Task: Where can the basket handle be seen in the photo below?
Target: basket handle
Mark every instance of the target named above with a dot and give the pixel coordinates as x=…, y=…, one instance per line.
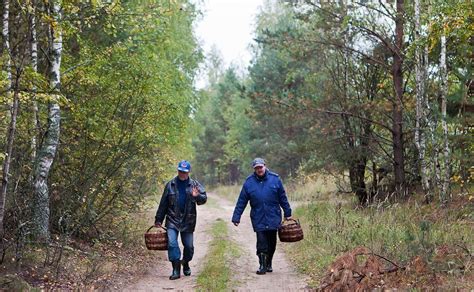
x=164, y=228
x=297, y=221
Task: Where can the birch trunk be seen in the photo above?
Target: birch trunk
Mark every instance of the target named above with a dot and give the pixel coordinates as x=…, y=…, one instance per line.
x=421, y=112
x=47, y=152
x=7, y=161
x=13, y=110
x=445, y=174
x=6, y=41
x=34, y=105
x=34, y=65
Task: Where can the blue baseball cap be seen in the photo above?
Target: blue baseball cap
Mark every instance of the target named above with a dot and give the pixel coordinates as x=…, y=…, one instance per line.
x=184, y=166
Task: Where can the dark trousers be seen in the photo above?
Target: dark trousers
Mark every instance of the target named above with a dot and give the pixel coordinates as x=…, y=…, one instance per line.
x=266, y=242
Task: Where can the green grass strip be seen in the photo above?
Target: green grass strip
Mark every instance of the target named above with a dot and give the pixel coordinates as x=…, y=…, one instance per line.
x=216, y=274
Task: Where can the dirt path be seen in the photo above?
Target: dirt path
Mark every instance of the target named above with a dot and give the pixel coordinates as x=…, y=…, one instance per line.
x=283, y=278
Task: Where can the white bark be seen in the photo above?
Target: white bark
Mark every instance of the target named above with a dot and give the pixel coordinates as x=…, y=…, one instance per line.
x=12, y=115
x=421, y=110
x=6, y=40
x=47, y=152
x=34, y=65
x=445, y=192
x=7, y=161
x=57, y=47
x=431, y=120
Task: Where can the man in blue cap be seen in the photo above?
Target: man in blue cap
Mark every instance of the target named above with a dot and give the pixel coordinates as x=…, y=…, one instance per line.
x=178, y=205
x=267, y=197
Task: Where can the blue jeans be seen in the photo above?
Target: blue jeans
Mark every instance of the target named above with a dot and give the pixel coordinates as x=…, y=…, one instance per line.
x=174, y=253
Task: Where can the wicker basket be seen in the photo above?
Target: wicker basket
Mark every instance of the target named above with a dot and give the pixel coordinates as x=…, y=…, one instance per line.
x=156, y=240
x=290, y=231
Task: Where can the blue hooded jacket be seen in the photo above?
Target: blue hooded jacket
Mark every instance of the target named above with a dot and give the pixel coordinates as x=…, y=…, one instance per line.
x=266, y=196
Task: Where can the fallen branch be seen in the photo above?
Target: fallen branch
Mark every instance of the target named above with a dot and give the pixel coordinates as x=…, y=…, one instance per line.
x=382, y=257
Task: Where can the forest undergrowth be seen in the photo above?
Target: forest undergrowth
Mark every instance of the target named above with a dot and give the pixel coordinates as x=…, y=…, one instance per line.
x=416, y=245
x=115, y=258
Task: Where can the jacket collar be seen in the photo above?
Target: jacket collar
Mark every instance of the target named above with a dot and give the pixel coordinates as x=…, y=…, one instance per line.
x=174, y=181
x=264, y=177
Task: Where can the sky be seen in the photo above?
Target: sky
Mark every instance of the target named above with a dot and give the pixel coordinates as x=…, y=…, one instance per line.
x=229, y=25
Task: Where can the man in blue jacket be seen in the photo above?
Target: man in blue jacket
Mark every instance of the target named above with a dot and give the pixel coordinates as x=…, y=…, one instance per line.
x=267, y=197
x=178, y=205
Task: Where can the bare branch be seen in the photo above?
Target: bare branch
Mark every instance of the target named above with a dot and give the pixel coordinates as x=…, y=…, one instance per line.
x=386, y=13
x=343, y=113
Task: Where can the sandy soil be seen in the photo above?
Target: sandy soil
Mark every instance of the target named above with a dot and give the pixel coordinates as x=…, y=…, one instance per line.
x=283, y=278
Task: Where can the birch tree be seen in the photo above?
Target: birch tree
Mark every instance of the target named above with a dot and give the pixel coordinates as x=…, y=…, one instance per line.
x=444, y=192
x=13, y=112
x=421, y=63
x=6, y=41
x=47, y=152
x=8, y=154
x=34, y=66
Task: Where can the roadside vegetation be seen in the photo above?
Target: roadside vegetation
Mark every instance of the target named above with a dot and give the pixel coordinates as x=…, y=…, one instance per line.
x=110, y=262
x=440, y=238
x=216, y=274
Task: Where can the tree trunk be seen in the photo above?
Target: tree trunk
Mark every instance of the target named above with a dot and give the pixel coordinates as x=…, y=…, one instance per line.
x=6, y=41
x=7, y=161
x=356, y=178
x=43, y=164
x=34, y=106
x=421, y=64
x=47, y=152
x=234, y=172
x=397, y=115
x=13, y=111
x=445, y=176
x=375, y=181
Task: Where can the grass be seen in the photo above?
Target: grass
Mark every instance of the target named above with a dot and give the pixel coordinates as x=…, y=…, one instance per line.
x=399, y=232
x=311, y=189
x=216, y=274
x=211, y=202
x=230, y=193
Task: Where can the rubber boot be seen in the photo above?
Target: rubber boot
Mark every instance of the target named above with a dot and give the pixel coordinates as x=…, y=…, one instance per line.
x=176, y=270
x=262, y=259
x=269, y=263
x=186, y=269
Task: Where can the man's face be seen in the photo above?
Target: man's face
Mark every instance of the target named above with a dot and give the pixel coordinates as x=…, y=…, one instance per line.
x=183, y=175
x=260, y=170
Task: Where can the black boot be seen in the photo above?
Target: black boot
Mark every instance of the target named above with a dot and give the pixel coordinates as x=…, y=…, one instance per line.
x=269, y=263
x=186, y=269
x=176, y=270
x=262, y=259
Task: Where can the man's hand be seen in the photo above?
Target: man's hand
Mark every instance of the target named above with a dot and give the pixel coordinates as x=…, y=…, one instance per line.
x=158, y=224
x=236, y=223
x=289, y=218
x=195, y=191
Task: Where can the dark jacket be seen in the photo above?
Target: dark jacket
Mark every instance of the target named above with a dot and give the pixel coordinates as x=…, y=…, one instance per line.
x=266, y=196
x=183, y=222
